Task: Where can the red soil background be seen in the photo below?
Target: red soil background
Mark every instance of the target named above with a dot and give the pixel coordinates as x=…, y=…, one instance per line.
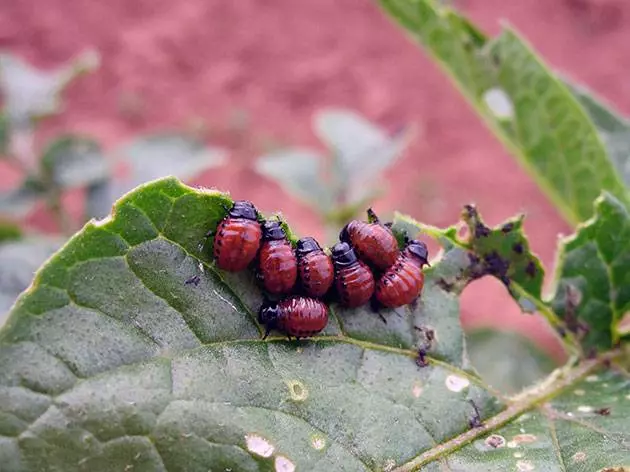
x=167, y=64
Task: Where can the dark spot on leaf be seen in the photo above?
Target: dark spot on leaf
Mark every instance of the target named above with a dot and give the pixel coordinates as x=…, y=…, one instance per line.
x=495, y=441
x=603, y=411
x=444, y=285
x=531, y=269
x=421, y=360
x=481, y=230
x=475, y=420
x=518, y=248
x=507, y=227
x=471, y=211
x=194, y=280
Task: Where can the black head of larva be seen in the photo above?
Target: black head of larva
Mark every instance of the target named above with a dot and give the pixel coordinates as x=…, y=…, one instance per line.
x=268, y=316
x=343, y=255
x=307, y=245
x=419, y=250
x=244, y=209
x=268, y=313
x=272, y=231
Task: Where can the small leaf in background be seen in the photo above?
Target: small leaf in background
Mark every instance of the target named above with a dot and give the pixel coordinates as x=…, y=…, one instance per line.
x=31, y=93
x=9, y=231
x=18, y=262
x=530, y=110
x=20, y=201
x=4, y=134
x=299, y=172
x=507, y=361
x=74, y=161
x=162, y=155
x=98, y=199
x=361, y=150
x=592, y=278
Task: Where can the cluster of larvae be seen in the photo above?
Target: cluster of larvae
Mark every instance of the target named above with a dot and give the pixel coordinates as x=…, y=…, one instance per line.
x=366, y=266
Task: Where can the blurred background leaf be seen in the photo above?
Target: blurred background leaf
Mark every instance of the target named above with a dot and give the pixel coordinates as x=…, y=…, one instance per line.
x=160, y=155
x=151, y=157
x=343, y=183
x=299, y=172
x=19, y=260
x=361, y=150
x=74, y=161
x=20, y=201
x=31, y=93
x=507, y=361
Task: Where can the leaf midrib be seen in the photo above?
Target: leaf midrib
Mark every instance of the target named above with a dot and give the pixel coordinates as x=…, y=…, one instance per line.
x=529, y=400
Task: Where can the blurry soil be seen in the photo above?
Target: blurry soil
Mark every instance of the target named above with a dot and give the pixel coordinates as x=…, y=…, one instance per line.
x=218, y=65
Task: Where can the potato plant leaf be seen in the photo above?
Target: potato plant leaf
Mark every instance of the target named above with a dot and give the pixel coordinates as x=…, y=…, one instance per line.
x=113, y=359
x=74, y=161
x=520, y=365
x=593, y=282
x=528, y=108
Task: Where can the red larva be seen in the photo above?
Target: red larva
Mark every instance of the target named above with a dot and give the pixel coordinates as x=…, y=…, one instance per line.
x=277, y=263
x=301, y=317
x=315, y=268
x=353, y=278
x=402, y=283
x=237, y=237
x=373, y=242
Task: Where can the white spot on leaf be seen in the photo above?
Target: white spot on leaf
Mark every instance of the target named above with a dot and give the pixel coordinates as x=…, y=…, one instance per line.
x=579, y=392
x=592, y=378
x=416, y=391
x=283, y=464
x=499, y=103
x=512, y=444
x=585, y=408
x=389, y=465
x=318, y=442
x=259, y=445
x=579, y=456
x=518, y=454
x=455, y=383
x=524, y=439
x=297, y=390
x=524, y=466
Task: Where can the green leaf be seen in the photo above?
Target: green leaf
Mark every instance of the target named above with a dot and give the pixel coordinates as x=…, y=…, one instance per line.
x=299, y=173
x=18, y=262
x=9, y=231
x=361, y=150
x=592, y=281
x=504, y=252
x=112, y=359
x=5, y=134
x=74, y=161
x=584, y=428
x=519, y=365
x=20, y=201
x=525, y=105
x=31, y=93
